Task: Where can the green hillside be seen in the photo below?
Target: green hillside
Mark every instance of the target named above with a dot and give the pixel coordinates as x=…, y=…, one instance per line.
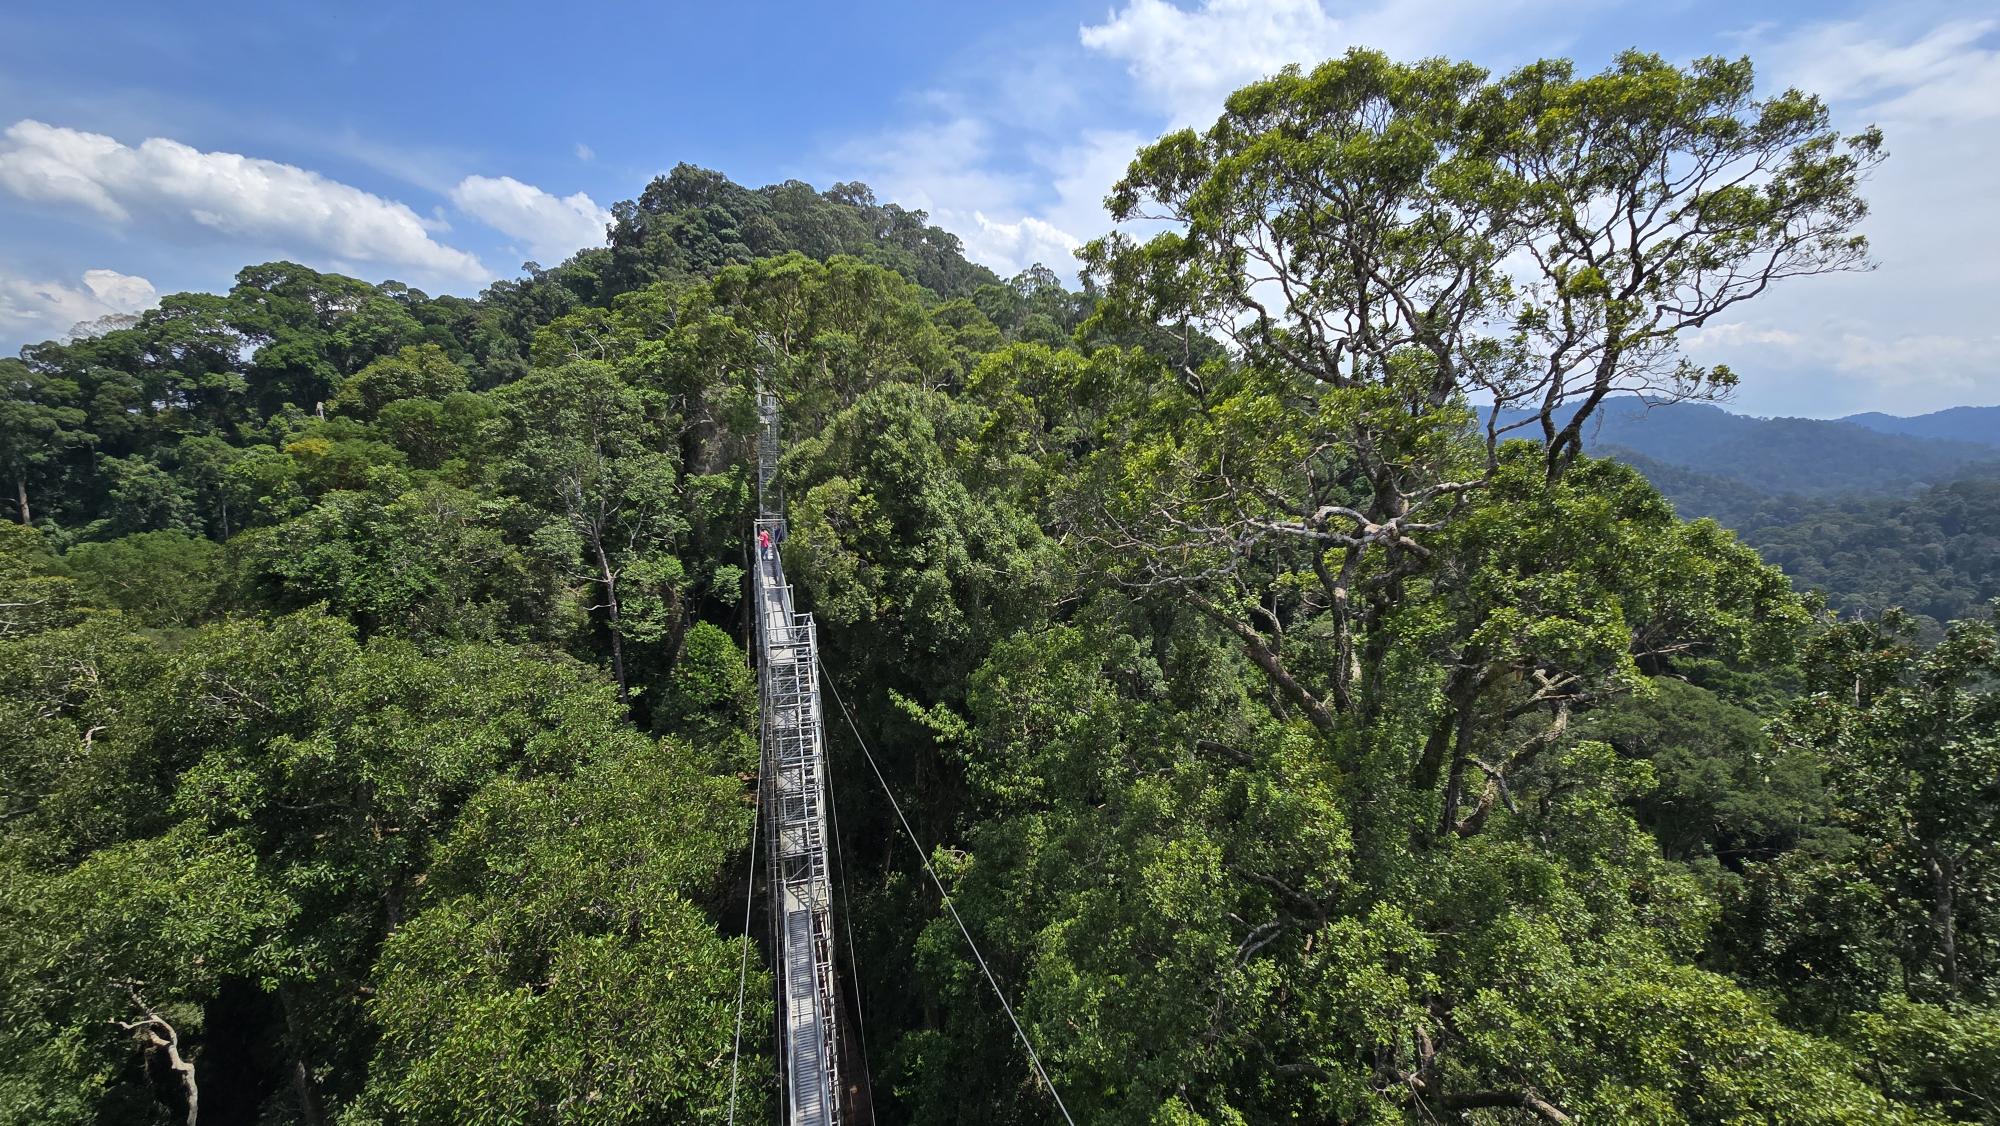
x=1934, y=553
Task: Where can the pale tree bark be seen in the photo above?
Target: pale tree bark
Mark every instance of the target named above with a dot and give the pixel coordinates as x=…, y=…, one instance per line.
x=1944, y=928
x=609, y=577
x=157, y=1035
x=1267, y=659
x=1524, y=1099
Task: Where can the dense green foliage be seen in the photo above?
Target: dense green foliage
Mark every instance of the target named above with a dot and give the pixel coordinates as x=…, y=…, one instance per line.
x=1873, y=512
x=376, y=746
x=376, y=728
x=1934, y=552
x=694, y=221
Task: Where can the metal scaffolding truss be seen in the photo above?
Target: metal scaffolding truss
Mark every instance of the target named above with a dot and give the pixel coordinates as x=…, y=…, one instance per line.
x=770, y=499
x=794, y=797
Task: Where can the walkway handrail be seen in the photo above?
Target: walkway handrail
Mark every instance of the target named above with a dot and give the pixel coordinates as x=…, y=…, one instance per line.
x=793, y=793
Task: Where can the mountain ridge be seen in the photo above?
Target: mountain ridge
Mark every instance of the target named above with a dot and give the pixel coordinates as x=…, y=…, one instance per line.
x=1965, y=424
x=1807, y=457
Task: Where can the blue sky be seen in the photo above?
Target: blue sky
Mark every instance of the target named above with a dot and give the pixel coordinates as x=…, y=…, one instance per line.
x=146, y=149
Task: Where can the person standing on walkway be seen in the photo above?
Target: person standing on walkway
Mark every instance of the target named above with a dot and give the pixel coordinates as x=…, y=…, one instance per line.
x=764, y=543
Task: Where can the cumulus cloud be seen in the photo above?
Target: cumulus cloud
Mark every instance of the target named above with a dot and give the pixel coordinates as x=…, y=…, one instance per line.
x=551, y=227
x=939, y=166
x=1841, y=365
x=945, y=167
x=1019, y=151
x=1022, y=243
x=224, y=192
x=1721, y=337
x=33, y=310
x=1083, y=174
x=1187, y=61
x=1890, y=358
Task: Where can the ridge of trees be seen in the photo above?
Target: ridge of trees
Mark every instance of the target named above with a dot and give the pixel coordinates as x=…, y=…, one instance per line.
x=1931, y=553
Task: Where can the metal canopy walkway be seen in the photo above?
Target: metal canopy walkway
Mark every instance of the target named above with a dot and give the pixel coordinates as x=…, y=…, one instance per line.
x=793, y=793
x=793, y=805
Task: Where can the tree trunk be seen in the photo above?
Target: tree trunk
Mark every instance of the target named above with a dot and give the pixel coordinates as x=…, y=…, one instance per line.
x=303, y=1084
x=1260, y=651
x=677, y=633
x=1454, y=779
x=1524, y=1100
x=1944, y=928
x=1563, y=446
x=185, y=1069
x=1346, y=666
x=21, y=493
x=1461, y=688
x=610, y=580
x=159, y=1036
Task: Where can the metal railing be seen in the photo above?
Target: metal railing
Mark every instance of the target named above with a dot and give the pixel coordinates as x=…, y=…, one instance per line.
x=770, y=498
x=794, y=793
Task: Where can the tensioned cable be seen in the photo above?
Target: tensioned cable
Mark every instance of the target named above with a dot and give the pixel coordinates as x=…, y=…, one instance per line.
x=749, y=894
x=853, y=966
x=1033, y=1057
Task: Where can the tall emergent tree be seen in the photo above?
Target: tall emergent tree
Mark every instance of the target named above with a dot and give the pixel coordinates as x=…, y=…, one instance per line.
x=1392, y=248
x=1387, y=878
x=586, y=451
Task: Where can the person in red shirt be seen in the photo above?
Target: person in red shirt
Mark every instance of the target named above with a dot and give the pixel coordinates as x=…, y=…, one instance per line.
x=764, y=543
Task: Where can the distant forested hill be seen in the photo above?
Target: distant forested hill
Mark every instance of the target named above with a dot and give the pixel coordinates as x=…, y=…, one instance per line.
x=1964, y=424
x=1935, y=553
x=1779, y=456
x=1874, y=533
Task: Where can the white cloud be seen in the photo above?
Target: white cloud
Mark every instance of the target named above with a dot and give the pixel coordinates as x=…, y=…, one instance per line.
x=227, y=193
x=38, y=310
x=1020, y=150
x=941, y=167
x=585, y=153
x=1022, y=243
x=1189, y=61
x=946, y=169
x=1841, y=364
x=1009, y=218
x=551, y=227
x=1717, y=338
x=1084, y=174
x=1946, y=74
